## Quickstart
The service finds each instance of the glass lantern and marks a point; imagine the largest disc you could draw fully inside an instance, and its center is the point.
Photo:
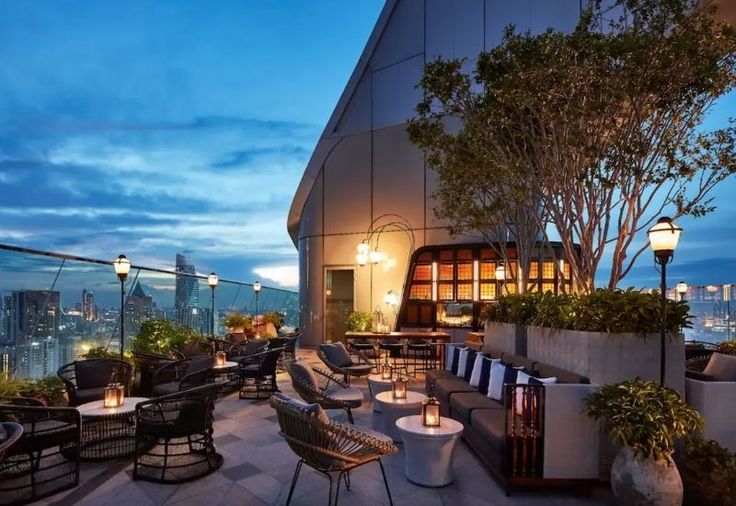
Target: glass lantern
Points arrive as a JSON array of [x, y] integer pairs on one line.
[[399, 387], [220, 358], [386, 372], [114, 395], [431, 412]]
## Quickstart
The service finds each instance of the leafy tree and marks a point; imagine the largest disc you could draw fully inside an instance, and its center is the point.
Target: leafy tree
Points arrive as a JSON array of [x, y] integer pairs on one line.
[[591, 134]]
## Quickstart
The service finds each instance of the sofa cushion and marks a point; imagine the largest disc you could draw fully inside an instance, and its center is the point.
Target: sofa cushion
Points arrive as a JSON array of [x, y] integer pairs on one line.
[[563, 376], [490, 425], [491, 352], [93, 373], [501, 374], [475, 373], [469, 363], [518, 361], [721, 367], [455, 361], [435, 374], [462, 404], [444, 388], [336, 354]]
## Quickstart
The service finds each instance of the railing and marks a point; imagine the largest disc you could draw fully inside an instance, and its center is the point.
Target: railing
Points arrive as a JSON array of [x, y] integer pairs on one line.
[[56, 307]]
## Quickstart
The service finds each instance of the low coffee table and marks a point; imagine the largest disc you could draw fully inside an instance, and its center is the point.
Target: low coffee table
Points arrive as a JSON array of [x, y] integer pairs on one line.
[[108, 433], [225, 373], [393, 409], [376, 385], [429, 450]]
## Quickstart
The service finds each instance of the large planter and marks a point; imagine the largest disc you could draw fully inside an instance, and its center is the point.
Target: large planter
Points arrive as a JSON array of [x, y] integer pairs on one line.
[[609, 358], [638, 481], [506, 337]]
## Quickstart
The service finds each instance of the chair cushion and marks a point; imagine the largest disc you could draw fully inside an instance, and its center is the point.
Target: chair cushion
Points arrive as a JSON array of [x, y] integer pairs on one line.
[[490, 425], [85, 395], [373, 433], [464, 403], [166, 388], [3, 433], [359, 370], [303, 372], [350, 395], [312, 409], [199, 364], [721, 367], [563, 376], [93, 373], [336, 354]]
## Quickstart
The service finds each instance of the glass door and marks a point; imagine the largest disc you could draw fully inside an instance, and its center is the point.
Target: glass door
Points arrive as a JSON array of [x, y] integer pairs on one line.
[[339, 300]]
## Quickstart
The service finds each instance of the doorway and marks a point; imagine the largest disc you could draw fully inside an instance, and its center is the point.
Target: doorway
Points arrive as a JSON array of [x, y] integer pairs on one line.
[[339, 302]]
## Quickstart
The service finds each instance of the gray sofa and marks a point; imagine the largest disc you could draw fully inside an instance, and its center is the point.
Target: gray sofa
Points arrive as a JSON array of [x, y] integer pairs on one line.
[[537, 435]]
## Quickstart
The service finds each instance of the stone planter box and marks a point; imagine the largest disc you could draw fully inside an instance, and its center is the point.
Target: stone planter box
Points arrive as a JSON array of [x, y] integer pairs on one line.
[[506, 337], [608, 358]]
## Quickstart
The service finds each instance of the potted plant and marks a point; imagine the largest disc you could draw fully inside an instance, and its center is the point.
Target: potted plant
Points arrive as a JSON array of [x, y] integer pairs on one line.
[[708, 473], [49, 390], [645, 419], [358, 321], [237, 323]]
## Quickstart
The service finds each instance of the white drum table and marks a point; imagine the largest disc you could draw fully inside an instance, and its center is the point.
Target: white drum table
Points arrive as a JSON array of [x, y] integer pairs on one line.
[[393, 409], [429, 450], [376, 385], [108, 433]]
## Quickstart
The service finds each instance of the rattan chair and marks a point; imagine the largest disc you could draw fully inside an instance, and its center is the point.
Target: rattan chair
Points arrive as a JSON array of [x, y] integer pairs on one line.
[[196, 349], [329, 447], [247, 348], [146, 365], [174, 437], [348, 367], [45, 459], [257, 374], [85, 380], [182, 375], [10, 432], [323, 388]]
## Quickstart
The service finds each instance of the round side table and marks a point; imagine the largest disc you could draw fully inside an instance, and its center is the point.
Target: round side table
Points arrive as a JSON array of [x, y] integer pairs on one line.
[[108, 433], [429, 450], [376, 385], [393, 409]]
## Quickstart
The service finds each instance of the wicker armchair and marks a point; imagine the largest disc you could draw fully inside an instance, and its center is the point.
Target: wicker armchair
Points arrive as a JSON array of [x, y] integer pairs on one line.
[[174, 437], [45, 459], [246, 349], [85, 380], [338, 360], [147, 364], [320, 387], [261, 369], [327, 446], [182, 375], [10, 432]]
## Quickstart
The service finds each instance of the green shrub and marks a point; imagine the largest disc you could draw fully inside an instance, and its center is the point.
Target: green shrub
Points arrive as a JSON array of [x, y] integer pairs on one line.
[[521, 309], [274, 317], [644, 416], [727, 347], [237, 320], [50, 389], [162, 336], [100, 352], [708, 473], [359, 321]]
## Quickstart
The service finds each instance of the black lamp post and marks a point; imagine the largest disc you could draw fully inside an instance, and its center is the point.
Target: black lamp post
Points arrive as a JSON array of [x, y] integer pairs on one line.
[[122, 268], [663, 237], [501, 278], [257, 291], [212, 281], [682, 290]]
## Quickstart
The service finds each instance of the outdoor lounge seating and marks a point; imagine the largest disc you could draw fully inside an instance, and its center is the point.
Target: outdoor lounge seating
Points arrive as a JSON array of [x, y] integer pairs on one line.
[[526, 433], [317, 386], [246, 349], [174, 437], [327, 446], [85, 380], [10, 432], [45, 459], [257, 374], [337, 359], [182, 375], [147, 364]]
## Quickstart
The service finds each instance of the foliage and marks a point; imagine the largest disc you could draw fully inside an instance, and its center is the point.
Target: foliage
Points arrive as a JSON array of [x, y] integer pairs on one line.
[[359, 321], [708, 473], [49, 389], [274, 317], [611, 311], [598, 131], [644, 416], [237, 320], [162, 336], [727, 347], [100, 352]]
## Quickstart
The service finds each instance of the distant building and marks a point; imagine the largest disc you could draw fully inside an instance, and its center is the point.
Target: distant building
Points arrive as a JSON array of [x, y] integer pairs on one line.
[[88, 308], [186, 297], [139, 308]]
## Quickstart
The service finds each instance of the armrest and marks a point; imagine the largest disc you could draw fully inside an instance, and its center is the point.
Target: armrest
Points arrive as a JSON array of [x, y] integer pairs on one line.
[[167, 373], [326, 380]]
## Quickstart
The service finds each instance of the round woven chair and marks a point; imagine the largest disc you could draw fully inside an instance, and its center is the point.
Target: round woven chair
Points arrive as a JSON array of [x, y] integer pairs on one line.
[[11, 432], [329, 447]]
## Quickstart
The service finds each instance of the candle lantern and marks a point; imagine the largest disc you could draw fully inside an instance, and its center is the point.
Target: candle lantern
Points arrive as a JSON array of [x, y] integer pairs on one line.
[[220, 358], [386, 372], [114, 395], [431, 412], [398, 388]]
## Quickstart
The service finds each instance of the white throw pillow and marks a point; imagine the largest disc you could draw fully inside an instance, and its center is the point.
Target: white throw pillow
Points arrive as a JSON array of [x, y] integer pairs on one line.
[[495, 387], [462, 362], [477, 366], [522, 378]]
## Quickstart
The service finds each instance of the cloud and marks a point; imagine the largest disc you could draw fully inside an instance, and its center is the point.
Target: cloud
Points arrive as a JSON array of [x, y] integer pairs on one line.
[[286, 276]]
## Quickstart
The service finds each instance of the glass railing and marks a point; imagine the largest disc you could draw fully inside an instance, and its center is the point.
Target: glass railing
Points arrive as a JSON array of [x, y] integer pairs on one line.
[[56, 307]]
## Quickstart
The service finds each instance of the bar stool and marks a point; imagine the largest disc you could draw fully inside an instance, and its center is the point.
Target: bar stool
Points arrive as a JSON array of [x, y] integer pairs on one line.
[[367, 348], [393, 349], [420, 351]]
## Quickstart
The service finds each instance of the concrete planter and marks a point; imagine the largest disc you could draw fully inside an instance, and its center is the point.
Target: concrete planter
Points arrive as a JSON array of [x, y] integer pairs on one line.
[[638, 481], [506, 337], [608, 358]]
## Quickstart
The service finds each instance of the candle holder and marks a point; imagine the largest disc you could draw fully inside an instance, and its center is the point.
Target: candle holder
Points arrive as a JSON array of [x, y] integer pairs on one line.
[[220, 358], [386, 372], [399, 387], [114, 395], [431, 412]]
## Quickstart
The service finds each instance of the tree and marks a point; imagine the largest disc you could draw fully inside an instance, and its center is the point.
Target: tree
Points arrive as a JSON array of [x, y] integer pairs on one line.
[[596, 133]]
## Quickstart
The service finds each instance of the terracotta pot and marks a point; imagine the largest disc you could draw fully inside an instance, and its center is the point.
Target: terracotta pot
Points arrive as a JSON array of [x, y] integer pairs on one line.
[[639, 481]]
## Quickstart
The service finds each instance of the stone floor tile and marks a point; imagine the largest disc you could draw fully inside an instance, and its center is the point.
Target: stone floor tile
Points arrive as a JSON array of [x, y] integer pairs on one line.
[[264, 486]]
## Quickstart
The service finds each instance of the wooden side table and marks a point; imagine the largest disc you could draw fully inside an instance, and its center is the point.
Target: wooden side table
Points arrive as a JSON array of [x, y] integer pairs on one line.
[[429, 450]]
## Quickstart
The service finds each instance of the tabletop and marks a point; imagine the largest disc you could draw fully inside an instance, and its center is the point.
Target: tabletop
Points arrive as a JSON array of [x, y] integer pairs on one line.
[[97, 408], [226, 365], [439, 336], [413, 424], [377, 378], [411, 398]]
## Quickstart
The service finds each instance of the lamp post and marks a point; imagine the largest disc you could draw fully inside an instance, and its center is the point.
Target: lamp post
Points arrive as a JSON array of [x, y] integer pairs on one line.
[[122, 268], [681, 290], [500, 277], [663, 237], [212, 280], [727, 298], [257, 291]]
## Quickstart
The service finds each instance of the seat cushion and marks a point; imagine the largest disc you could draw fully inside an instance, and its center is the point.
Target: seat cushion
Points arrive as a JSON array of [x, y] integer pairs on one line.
[[464, 403], [721, 367], [563, 376], [166, 388], [198, 364], [435, 374], [373, 433], [85, 395], [490, 425], [44, 434], [359, 370], [349, 395], [336, 354], [303, 372], [445, 388], [93, 373]]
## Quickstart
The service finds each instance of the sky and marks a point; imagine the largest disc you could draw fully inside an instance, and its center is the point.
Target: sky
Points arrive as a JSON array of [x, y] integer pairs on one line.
[[151, 128]]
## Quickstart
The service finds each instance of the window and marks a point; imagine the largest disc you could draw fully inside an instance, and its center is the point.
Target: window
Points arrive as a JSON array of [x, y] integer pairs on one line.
[[423, 272], [420, 292]]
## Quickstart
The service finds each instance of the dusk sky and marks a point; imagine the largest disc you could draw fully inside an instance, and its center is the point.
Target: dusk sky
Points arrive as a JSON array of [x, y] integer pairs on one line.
[[151, 128]]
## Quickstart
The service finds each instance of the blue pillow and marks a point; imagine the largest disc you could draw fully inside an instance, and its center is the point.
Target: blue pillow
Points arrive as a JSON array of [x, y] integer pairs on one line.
[[470, 362], [485, 374], [455, 360]]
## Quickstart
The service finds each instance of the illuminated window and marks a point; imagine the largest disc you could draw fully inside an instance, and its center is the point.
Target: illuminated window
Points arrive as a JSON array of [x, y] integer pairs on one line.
[[465, 272], [446, 272], [533, 270], [420, 292], [423, 273], [533, 287], [548, 287], [464, 291], [487, 291], [445, 291], [488, 270], [465, 254], [509, 288], [566, 270], [548, 270]]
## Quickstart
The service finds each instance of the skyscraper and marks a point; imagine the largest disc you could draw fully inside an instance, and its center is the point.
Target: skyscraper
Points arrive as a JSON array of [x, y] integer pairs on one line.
[[138, 308], [88, 308], [32, 328], [186, 297]]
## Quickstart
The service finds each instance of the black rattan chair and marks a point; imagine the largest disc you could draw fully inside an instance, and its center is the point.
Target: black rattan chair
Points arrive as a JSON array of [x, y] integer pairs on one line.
[[258, 374], [147, 364], [196, 349], [246, 349], [339, 361], [45, 459], [174, 437], [182, 375], [10, 432], [85, 380]]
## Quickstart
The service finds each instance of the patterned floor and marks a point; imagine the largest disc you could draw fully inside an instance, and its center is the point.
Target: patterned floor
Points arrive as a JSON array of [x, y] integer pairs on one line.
[[259, 465]]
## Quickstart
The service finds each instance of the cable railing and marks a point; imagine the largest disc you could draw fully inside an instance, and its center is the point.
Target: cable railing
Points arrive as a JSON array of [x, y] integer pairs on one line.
[[56, 307]]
